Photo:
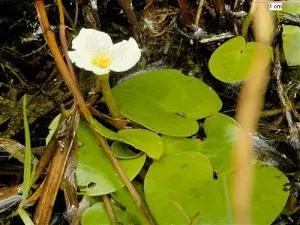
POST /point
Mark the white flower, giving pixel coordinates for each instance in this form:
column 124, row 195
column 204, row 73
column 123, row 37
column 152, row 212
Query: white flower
column 95, row 51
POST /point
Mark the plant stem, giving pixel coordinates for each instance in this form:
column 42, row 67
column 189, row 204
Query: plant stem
column 198, row 15
column 109, row 209
column 116, row 164
column 27, row 159
column 108, row 97
column 25, row 217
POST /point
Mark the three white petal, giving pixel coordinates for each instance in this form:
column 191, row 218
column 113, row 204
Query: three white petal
column 95, row 51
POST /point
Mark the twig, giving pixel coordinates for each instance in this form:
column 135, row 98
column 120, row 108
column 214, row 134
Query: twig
column 116, row 123
column 293, row 129
column 109, row 209
column 35, row 51
column 198, row 15
column 131, row 16
column 63, row 40
column 76, row 14
column 289, row 19
column 50, row 38
column 56, row 171
column 135, row 195
column 274, row 112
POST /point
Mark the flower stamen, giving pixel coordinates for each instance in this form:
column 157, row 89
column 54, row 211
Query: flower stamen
column 103, row 61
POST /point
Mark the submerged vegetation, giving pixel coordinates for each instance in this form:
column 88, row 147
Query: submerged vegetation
column 191, row 117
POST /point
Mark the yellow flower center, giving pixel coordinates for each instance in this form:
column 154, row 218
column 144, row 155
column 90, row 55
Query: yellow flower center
column 103, row 61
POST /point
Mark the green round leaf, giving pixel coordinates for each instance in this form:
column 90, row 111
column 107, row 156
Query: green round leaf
column 268, row 196
column 221, row 131
column 180, row 189
column 95, row 174
column 291, row 44
column 141, row 139
column 166, row 101
column 293, row 8
column 232, row 61
column 123, row 151
column 95, row 215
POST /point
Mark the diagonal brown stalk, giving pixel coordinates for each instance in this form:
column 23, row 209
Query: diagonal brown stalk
column 65, row 73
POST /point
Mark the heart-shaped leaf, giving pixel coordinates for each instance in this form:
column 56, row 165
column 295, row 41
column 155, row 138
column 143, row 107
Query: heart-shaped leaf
column 268, row 194
column 176, row 190
column 180, row 189
column 95, row 174
column 166, row 101
column 291, row 44
column 221, row 133
column 232, row 61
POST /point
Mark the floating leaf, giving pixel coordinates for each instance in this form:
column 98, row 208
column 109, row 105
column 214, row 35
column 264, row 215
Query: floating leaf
column 291, row 44
column 232, row 61
column 180, row 189
column 268, row 197
column 144, row 140
column 166, row 101
column 293, row 8
column 221, row 134
column 95, row 174
column 95, row 215
column 175, row 145
column 123, row 151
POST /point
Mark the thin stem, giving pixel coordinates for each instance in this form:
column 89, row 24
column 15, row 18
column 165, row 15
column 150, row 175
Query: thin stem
column 63, row 40
column 108, row 97
column 25, row 217
column 27, row 160
column 63, row 69
column 116, row 164
column 109, row 209
column 198, row 15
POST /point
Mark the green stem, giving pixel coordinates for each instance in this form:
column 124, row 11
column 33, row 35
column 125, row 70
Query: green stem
column 108, row 97
column 27, row 159
column 25, row 217
column 248, row 20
